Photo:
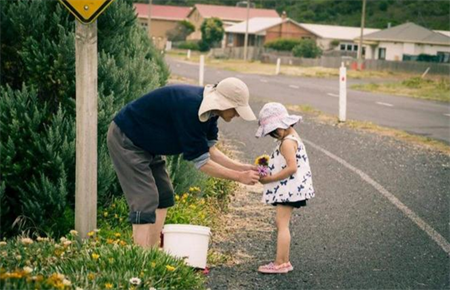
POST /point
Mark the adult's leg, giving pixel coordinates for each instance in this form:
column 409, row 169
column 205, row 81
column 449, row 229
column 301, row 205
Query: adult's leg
column 283, row 236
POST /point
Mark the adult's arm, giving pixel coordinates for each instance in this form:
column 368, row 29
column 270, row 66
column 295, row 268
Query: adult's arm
column 219, row 157
column 214, row 169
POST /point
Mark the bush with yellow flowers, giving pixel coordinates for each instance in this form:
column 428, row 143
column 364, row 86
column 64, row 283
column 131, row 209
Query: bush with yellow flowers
column 191, row 208
column 103, row 261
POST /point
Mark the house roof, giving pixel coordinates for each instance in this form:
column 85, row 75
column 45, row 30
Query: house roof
column 162, row 11
column 233, row 13
column 336, row 32
column 409, row 32
column 446, row 33
column 257, row 25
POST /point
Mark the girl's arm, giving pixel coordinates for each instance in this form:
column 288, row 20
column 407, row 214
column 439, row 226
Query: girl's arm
column 218, row 157
column 288, row 149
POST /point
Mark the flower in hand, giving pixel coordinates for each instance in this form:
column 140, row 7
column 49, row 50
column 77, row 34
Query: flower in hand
column 262, row 163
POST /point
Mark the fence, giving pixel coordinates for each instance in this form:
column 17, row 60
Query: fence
column 330, row 61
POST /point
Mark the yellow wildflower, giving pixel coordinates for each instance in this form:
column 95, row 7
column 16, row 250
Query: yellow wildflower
column 109, row 241
column 105, row 214
column 177, row 197
column 202, row 201
column 108, row 285
column 170, row 268
column 117, row 235
column 153, row 264
column 123, row 243
column 66, row 282
column 74, row 233
column 262, row 160
column 91, row 276
column 116, row 216
column 90, row 234
column 192, row 206
column 27, row 241
column 2, row 243
column 27, row 269
column 185, row 195
column 95, row 256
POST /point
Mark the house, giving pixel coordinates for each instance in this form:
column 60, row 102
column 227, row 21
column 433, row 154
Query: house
column 229, row 15
column 262, row 30
column 163, row 19
column 407, row 41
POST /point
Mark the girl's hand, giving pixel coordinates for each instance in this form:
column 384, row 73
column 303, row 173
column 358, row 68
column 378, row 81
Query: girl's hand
column 265, row 180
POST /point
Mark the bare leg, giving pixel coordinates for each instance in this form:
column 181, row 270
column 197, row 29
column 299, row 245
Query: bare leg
column 284, row 235
column 148, row 235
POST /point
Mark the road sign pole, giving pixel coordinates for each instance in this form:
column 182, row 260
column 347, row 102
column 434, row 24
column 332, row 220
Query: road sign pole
column 342, row 93
column 86, row 121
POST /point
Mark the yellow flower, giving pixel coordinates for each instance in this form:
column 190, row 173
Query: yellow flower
column 185, row 196
column 120, row 219
column 105, row 214
column 74, row 233
column 109, row 241
column 153, row 264
column 108, row 285
column 27, row 241
column 116, row 216
column 202, row 216
column 177, row 197
column 95, row 256
column 90, row 234
column 3, row 243
column 202, row 201
column 91, row 276
column 117, row 235
column 170, row 268
column 111, row 260
column 262, row 160
column 66, row 282
column 192, row 206
column 27, row 269
column 67, row 243
column 123, row 243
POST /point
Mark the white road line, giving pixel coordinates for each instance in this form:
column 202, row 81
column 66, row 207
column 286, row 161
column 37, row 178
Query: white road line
column 263, row 81
column 294, row 87
column 434, row 235
column 333, row 95
column 447, row 115
column 385, row 104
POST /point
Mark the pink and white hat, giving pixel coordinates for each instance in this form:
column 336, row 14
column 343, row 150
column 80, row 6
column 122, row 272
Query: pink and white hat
column 273, row 116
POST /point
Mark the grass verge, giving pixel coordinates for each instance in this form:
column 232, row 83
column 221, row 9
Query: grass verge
column 421, row 141
column 416, row 87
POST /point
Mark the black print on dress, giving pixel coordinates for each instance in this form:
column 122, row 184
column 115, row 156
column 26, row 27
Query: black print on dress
column 273, row 167
column 277, row 152
column 272, row 156
column 283, row 167
column 284, row 182
column 300, row 187
column 291, row 177
column 269, row 192
column 290, row 194
column 276, row 188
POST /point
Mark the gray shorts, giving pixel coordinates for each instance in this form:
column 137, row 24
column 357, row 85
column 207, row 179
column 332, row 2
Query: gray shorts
column 142, row 176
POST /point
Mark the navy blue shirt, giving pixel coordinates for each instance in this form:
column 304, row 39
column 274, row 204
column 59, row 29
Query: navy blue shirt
column 165, row 122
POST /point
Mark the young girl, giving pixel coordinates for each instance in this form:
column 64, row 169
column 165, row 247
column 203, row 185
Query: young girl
column 289, row 184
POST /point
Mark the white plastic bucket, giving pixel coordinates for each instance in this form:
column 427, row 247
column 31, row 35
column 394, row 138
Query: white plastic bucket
column 189, row 242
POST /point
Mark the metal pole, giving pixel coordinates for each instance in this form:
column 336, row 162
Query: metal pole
column 363, row 16
column 86, row 123
column 149, row 19
column 202, row 70
column 342, row 93
column 246, row 31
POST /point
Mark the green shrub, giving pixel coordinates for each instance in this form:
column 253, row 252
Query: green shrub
column 192, row 45
column 307, row 48
column 282, row 44
column 38, row 106
column 212, row 33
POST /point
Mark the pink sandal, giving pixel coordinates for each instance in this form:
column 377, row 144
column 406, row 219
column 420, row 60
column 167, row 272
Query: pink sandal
column 288, row 266
column 271, row 268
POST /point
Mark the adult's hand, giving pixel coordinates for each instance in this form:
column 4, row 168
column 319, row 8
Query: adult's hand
column 249, row 177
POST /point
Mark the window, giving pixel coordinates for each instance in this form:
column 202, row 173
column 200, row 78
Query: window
column 349, row 47
column 355, row 47
column 443, row 56
column 230, row 38
column 382, row 53
column 342, row 46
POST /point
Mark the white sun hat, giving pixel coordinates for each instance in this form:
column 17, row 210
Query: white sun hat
column 227, row 94
column 273, row 116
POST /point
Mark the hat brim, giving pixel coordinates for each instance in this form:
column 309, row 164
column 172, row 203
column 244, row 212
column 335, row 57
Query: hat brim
column 246, row 113
column 284, row 123
column 212, row 100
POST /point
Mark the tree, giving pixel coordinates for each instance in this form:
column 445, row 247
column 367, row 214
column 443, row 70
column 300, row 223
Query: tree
column 307, row 49
column 212, row 33
column 181, row 31
column 37, row 107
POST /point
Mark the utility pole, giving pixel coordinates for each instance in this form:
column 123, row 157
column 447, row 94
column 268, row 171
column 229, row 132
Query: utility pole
column 360, row 48
column 149, row 19
column 246, row 31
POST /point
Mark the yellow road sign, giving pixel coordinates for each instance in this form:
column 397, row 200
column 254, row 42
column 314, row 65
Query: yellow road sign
column 86, row 11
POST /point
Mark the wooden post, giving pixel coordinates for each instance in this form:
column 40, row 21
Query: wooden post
column 201, row 71
column 342, row 93
column 86, row 120
column 246, row 31
column 277, row 69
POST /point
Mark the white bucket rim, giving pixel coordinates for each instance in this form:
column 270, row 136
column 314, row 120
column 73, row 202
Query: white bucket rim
column 185, row 228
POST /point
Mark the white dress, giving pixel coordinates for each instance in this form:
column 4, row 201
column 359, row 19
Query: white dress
column 296, row 187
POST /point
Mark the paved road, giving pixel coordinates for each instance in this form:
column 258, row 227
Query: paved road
column 380, row 218
column 426, row 118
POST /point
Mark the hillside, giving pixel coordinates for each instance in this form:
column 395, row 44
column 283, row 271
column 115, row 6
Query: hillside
column 433, row 14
